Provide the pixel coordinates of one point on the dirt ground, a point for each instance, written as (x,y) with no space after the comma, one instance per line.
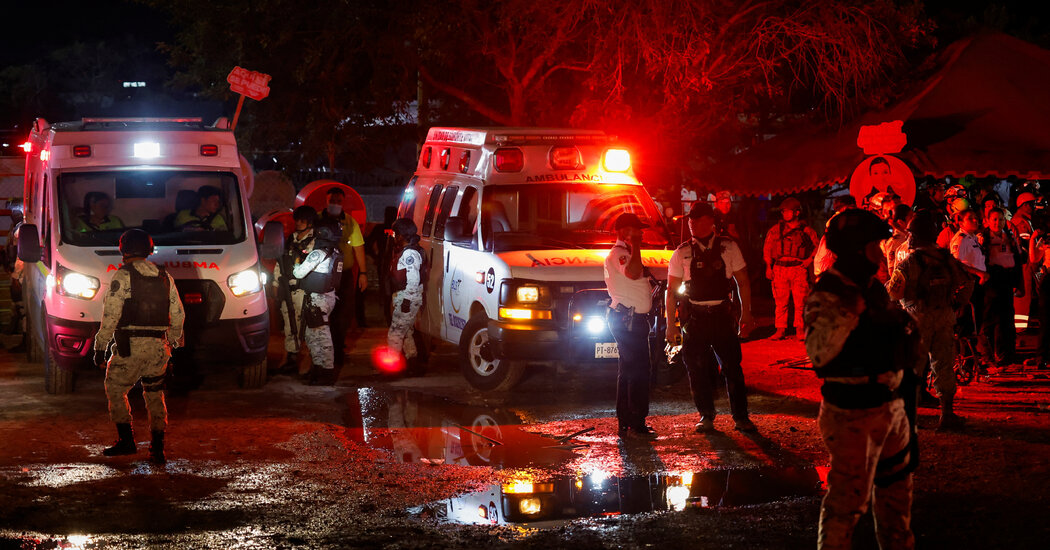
(293,466)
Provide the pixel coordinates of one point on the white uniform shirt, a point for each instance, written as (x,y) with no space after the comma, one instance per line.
(636,293)
(965,248)
(1000,251)
(682,257)
(411,262)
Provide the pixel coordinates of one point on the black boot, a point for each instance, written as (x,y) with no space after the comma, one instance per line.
(322,377)
(156,448)
(125,444)
(290,365)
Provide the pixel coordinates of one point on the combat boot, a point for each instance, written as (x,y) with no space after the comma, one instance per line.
(156,448)
(322,377)
(125,444)
(949,420)
(778,335)
(290,365)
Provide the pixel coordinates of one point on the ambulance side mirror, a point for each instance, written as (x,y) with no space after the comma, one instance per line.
(272,241)
(456,230)
(29,244)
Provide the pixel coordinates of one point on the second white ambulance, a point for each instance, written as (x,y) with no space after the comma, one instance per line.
(516,224)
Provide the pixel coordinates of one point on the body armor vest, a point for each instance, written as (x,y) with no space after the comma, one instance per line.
(935,287)
(795,244)
(148,304)
(399,277)
(326,276)
(707,274)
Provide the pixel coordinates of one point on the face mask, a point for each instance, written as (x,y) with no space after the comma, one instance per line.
(335,209)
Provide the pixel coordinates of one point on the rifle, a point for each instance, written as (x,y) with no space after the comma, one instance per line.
(284,292)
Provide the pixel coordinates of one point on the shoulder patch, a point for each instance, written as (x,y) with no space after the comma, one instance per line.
(114,286)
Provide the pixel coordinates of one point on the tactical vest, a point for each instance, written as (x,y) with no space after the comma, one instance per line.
(795,244)
(325,276)
(707,273)
(399,277)
(147,306)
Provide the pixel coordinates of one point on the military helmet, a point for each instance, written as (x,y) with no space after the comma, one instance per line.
(1025,198)
(852,229)
(955,192)
(404,227)
(135,243)
(326,235)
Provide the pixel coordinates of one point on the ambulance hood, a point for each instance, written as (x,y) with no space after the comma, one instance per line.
(574,264)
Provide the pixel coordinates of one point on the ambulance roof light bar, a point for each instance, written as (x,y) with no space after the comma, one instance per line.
(143,119)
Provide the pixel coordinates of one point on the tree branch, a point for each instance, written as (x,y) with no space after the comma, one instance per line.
(474,103)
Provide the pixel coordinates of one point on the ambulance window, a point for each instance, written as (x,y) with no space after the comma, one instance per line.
(444,211)
(428,218)
(468,206)
(408,200)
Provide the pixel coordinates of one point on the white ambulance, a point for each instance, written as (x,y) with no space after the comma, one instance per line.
(516,224)
(86,182)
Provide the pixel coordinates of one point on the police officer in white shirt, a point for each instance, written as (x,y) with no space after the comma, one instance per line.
(629,321)
(699,281)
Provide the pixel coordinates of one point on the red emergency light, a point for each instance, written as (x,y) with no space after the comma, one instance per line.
(509,159)
(387,360)
(427,154)
(193,298)
(565,158)
(209,150)
(81,151)
(27,147)
(446,157)
(464,162)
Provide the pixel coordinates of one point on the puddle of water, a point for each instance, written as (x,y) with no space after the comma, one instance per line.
(523,501)
(421,428)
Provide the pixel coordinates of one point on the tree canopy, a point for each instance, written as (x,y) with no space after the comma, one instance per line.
(681,80)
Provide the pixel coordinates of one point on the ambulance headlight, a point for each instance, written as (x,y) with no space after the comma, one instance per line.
(596,325)
(528,294)
(76,285)
(530,506)
(244,283)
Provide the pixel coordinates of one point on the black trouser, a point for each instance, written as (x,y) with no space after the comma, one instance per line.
(998,336)
(635,369)
(710,341)
(1043,287)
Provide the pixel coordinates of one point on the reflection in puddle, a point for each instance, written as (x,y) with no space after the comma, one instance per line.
(594,494)
(421,428)
(62,475)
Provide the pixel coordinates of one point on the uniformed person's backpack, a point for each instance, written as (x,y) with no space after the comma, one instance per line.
(935,287)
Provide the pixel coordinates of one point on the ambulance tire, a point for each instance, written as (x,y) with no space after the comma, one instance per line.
(252,376)
(57,380)
(480,368)
(33,349)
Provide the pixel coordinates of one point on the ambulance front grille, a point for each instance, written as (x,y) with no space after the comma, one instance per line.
(203,301)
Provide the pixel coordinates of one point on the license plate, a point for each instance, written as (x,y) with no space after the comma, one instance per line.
(606,350)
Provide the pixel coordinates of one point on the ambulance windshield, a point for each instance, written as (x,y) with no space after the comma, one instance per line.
(176,207)
(520,217)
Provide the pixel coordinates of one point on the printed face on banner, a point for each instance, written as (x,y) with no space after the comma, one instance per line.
(882,173)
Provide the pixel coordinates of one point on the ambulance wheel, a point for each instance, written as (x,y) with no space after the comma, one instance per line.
(480,366)
(33,351)
(252,376)
(57,380)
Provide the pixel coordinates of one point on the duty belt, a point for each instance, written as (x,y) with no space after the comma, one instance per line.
(142,333)
(709,307)
(788,262)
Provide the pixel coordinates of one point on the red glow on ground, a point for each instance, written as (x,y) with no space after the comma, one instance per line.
(388,361)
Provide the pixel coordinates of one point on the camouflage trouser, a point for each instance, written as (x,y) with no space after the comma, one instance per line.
(148,361)
(399,337)
(937,329)
(789,282)
(291,339)
(858,440)
(317,334)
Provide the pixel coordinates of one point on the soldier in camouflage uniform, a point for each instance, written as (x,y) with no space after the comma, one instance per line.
(859,342)
(142,320)
(930,283)
(407,277)
(788,252)
(319,275)
(289,295)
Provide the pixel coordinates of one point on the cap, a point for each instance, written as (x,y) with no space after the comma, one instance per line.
(700,209)
(723,196)
(790,203)
(629,220)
